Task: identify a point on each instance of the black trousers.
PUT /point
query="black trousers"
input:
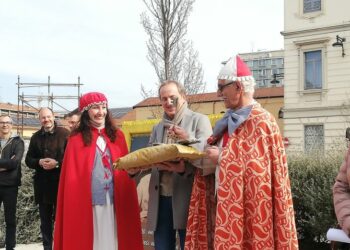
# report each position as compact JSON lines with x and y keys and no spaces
{"x":8,"y":196}
{"x":47,"y":218}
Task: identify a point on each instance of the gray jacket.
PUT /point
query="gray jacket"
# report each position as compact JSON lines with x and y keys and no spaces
{"x":198,"y":126}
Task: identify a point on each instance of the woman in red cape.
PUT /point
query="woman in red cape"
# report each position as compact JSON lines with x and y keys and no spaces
{"x":77,"y":221}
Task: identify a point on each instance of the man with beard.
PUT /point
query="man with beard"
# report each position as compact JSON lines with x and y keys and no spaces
{"x":45,"y":155}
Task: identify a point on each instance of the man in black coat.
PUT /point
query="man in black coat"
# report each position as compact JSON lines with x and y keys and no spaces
{"x":45,"y":155}
{"x":11,"y":153}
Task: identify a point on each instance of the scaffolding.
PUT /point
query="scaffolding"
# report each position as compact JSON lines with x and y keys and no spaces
{"x":50,"y":97}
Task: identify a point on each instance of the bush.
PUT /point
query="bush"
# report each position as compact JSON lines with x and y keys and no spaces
{"x":28,"y":222}
{"x":312,"y":179}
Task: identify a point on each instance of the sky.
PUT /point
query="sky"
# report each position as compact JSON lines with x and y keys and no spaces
{"x":103,"y":43}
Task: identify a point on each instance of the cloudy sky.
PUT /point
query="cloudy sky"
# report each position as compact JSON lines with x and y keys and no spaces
{"x":103,"y":42}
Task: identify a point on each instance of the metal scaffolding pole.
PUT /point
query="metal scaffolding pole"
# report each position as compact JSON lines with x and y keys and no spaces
{"x":26,"y":99}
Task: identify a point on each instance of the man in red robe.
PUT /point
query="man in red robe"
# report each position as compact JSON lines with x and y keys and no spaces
{"x":254,"y":200}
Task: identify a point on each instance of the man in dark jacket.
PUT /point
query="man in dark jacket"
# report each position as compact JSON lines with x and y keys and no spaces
{"x":11,"y":153}
{"x":45,"y":155}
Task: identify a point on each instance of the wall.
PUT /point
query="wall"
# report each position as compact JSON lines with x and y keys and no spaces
{"x":330,"y":105}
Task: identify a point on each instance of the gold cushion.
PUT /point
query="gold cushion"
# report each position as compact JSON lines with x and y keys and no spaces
{"x":145,"y":157}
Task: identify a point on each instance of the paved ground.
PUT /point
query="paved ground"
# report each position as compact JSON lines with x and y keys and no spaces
{"x":28,"y":247}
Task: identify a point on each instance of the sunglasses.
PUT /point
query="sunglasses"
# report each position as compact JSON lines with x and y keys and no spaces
{"x":222,"y":86}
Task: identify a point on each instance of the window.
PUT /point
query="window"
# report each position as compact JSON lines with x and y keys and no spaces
{"x":256,"y":74}
{"x":249,"y":63}
{"x":139,"y":141}
{"x":314,"y":138}
{"x":312,"y":6}
{"x":268,"y":72}
{"x":279,"y":62}
{"x":313,"y":69}
{"x":262,"y":73}
{"x":261,"y":63}
{"x":260,"y":83}
{"x":312,"y":65}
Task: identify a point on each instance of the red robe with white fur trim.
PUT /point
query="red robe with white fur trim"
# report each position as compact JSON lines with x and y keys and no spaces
{"x":74,"y":219}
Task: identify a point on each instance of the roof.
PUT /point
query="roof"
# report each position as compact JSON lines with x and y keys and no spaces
{"x":260,"y":93}
{"x":272,"y":92}
{"x":11,"y":108}
{"x":30,"y":122}
{"x":117,"y":113}
{"x":14,"y":107}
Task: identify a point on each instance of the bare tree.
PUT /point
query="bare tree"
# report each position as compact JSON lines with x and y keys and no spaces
{"x":170,"y":53}
{"x":192,"y":73}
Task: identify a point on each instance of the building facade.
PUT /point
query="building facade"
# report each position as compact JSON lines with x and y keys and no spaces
{"x":26,"y":126}
{"x":317,"y":74}
{"x":267,"y":67}
{"x":25,"y":118}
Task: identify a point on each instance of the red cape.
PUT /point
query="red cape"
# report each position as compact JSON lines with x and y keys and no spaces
{"x":74,"y":222}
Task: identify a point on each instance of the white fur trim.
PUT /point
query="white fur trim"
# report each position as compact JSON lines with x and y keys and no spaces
{"x":93,"y":103}
{"x":235,"y":78}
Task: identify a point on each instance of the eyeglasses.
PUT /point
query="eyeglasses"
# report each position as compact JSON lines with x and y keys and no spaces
{"x":5,"y":123}
{"x":222,"y":86}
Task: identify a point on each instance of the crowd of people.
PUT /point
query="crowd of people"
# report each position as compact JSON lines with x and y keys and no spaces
{"x":244,"y":203}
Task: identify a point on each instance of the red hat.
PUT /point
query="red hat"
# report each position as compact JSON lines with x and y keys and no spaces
{"x":92,"y":98}
{"x":236,"y":70}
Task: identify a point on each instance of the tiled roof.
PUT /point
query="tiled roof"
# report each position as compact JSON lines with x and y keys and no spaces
{"x":119,"y":112}
{"x":30,"y":122}
{"x":272,"y":92}
{"x":13,"y":107}
{"x":260,"y":93}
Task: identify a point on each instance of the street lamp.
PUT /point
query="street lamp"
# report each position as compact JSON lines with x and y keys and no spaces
{"x":339,"y":43}
{"x":274,"y":80}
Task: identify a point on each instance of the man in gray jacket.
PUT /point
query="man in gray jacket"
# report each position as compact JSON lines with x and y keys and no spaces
{"x":171,"y":182}
{"x":11,"y":153}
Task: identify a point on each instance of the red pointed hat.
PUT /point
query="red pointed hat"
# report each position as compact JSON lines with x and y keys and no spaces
{"x":236,"y":70}
{"x":92,"y":98}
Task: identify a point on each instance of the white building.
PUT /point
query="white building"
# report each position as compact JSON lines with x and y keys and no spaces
{"x":316,"y":74}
